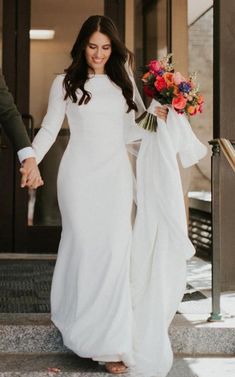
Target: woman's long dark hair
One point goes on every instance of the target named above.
(77, 73)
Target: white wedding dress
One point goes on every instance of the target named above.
(115, 289)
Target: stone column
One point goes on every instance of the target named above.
(130, 25)
(179, 42)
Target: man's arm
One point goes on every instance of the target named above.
(13, 125)
(11, 120)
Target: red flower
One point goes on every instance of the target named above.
(160, 83)
(148, 91)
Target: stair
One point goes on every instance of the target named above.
(30, 344)
(40, 365)
(37, 365)
(190, 335)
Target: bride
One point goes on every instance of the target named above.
(115, 286)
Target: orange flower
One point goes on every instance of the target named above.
(191, 110)
(145, 76)
(169, 78)
(176, 90)
(200, 99)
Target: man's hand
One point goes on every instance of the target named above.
(30, 174)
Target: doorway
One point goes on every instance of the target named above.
(30, 220)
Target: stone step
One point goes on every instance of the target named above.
(190, 335)
(53, 364)
(67, 365)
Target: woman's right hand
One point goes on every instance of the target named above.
(31, 176)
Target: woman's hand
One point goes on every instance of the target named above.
(161, 112)
(30, 174)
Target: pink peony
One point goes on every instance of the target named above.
(178, 78)
(154, 66)
(179, 102)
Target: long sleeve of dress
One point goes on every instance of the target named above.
(52, 121)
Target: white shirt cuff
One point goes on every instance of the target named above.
(24, 153)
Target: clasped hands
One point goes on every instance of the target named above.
(31, 176)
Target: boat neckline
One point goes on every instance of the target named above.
(90, 75)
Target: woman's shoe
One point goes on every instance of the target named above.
(116, 367)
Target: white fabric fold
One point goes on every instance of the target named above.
(160, 244)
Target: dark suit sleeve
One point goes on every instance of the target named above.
(11, 120)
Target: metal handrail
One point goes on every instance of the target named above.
(228, 149)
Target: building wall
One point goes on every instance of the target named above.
(130, 24)
(201, 61)
(180, 59)
(180, 35)
(50, 57)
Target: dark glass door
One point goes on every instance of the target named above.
(30, 219)
(15, 69)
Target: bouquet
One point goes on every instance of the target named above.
(168, 87)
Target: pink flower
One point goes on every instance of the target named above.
(179, 102)
(178, 78)
(154, 66)
(160, 83)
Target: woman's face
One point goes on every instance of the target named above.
(98, 51)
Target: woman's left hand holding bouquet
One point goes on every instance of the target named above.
(161, 112)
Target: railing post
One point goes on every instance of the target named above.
(216, 232)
